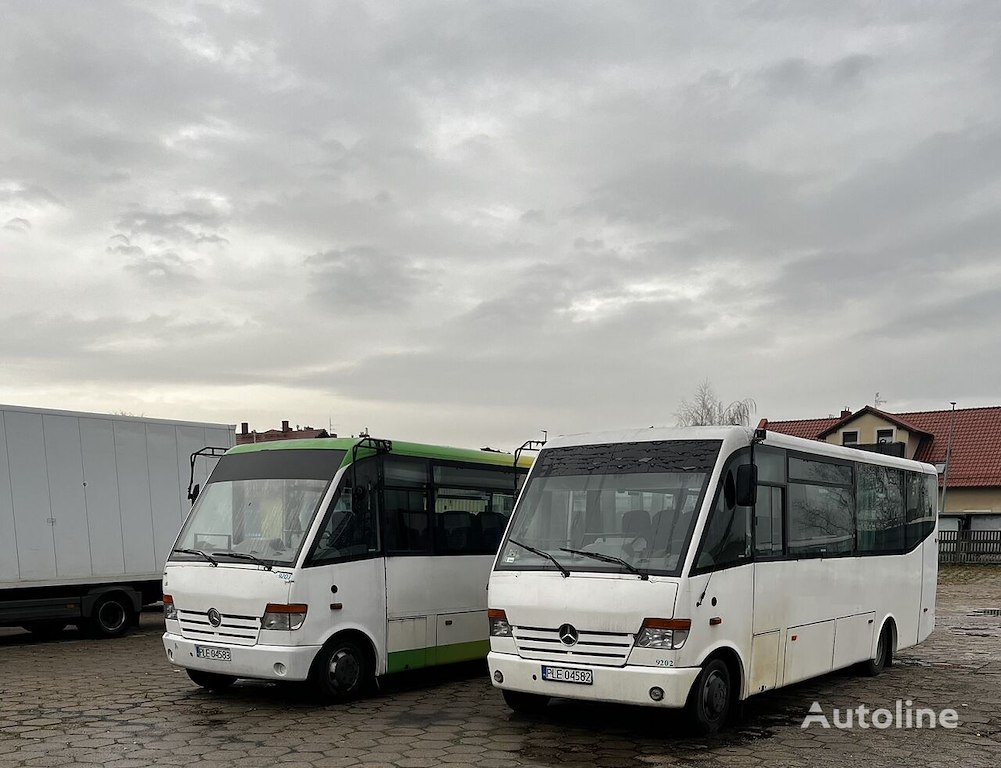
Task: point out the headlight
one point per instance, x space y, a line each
283 617
169 609
663 634
498 623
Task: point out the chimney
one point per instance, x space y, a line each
285 426
846 412
244 428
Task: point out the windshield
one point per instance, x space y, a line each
623 507
260 504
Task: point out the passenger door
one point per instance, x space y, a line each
344 578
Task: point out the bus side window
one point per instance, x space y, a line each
768 522
922 491
351 527
726 540
880 509
471 506
407 524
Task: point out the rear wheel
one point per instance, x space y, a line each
210 680
709 702
111 616
526 703
884 654
342 671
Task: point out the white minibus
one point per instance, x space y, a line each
336 561
693 568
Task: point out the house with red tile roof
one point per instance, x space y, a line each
973 499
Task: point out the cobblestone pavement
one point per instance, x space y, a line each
119 704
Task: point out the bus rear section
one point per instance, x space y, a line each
693 568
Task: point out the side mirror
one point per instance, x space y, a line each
193 493
747 485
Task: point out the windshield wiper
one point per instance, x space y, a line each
609 559
543 553
245 556
197 552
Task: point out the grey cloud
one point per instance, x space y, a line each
176 226
18 224
165 267
15 193
363 278
801 78
124 249
573 210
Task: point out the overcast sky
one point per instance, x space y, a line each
467 222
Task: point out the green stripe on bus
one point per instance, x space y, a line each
398 661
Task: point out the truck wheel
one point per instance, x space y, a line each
526 703
342 671
111 616
709 702
210 680
45 630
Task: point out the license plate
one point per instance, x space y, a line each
215 654
564 675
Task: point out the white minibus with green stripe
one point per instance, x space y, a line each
336 561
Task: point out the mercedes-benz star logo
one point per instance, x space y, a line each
568 635
215 618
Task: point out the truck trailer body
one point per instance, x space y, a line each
90 505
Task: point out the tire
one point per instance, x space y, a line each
210 680
711 699
111 616
46 630
526 703
884 654
343 671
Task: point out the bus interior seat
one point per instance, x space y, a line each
636 522
491 529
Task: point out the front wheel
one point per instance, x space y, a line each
111 616
709 702
342 671
526 703
210 680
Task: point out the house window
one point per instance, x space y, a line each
884 435
849 438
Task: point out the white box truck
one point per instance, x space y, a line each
90 505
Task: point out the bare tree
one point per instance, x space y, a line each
706 409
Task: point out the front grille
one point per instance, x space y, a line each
234 630
607 649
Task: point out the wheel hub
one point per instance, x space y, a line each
715 696
344 671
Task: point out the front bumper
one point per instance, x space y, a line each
621 685
261 662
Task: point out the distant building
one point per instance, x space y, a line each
285 433
973 500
